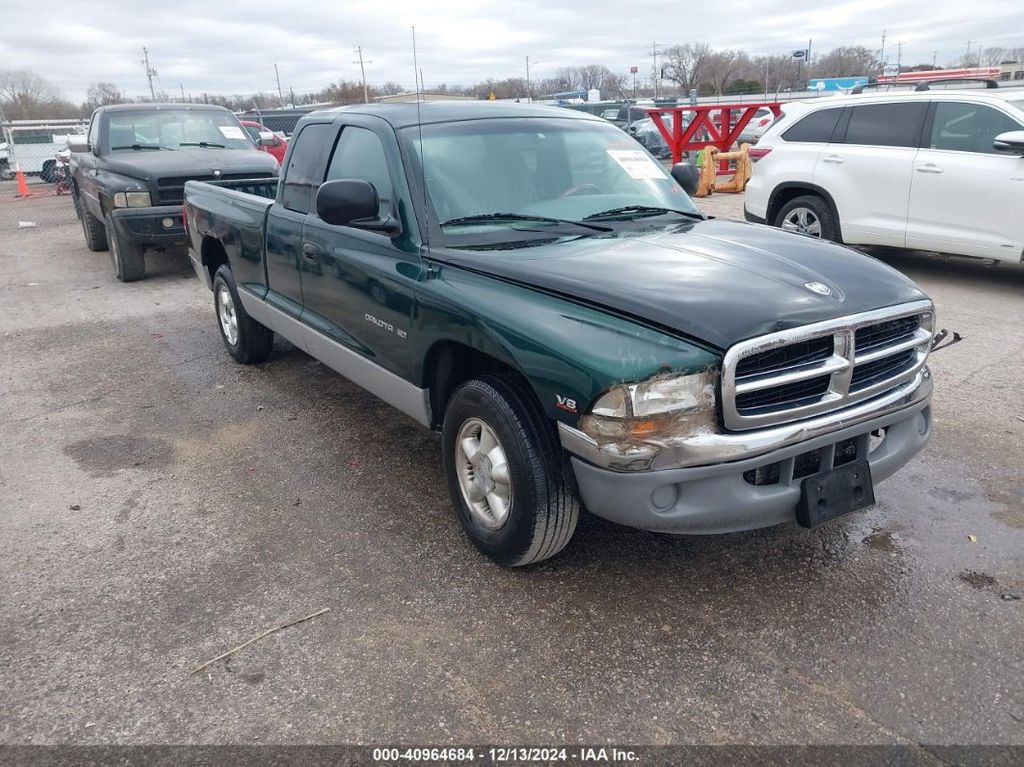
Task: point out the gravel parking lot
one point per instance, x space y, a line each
160 504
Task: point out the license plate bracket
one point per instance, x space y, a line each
834 493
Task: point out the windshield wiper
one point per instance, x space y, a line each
137 147
636 211
498 217
203 144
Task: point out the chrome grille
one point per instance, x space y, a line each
826 366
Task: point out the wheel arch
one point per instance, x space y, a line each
449 363
213 255
786 192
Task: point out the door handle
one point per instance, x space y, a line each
834 159
310 252
928 168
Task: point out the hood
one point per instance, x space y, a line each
715 281
192 161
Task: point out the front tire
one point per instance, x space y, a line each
127 257
246 340
810 215
507 476
92 227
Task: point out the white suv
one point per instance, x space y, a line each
932 170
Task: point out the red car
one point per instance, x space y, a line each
273 144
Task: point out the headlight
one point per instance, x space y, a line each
132 200
661 406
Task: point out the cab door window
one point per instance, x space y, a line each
359 154
959 127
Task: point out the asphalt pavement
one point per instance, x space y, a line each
160 504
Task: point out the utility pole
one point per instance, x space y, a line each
182 91
150 72
362 68
657 73
292 92
899 56
280 96
935 58
967 56
881 56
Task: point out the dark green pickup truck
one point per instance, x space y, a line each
529 281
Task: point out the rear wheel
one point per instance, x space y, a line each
809 215
47 173
127 257
507 475
247 341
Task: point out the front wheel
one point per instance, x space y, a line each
247 341
506 474
129 259
809 215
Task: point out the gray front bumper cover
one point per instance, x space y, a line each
715 498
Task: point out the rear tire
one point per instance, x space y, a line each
246 340
47 173
507 476
810 215
95 233
127 257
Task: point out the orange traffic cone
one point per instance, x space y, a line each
22 184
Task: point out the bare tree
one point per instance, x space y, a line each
101 94
684 63
846 61
994 56
26 95
720 68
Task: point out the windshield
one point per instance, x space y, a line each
175 129
565 169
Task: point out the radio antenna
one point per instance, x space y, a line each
419 126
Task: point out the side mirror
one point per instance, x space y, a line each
1011 142
79 146
686 176
267 138
353 202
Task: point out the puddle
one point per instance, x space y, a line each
105 455
882 540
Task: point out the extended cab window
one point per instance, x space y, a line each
815 127
968 127
360 155
305 168
887 124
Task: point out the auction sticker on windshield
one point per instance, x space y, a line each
636 163
231 131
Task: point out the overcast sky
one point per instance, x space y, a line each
230 46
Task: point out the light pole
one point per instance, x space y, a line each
529 94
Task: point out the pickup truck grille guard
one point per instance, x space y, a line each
824 367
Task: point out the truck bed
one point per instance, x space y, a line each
233 212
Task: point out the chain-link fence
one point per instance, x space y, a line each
35 173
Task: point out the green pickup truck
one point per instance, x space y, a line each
530 282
